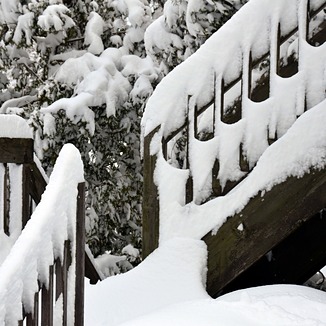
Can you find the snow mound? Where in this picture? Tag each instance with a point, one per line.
(175, 272)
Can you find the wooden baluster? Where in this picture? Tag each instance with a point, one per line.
(80, 256)
(150, 225)
(189, 184)
(61, 270)
(244, 165)
(32, 319)
(307, 20)
(278, 49)
(47, 301)
(165, 148)
(222, 100)
(216, 186)
(59, 273)
(249, 76)
(6, 201)
(196, 115)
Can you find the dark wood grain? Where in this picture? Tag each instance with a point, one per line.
(267, 220)
(16, 150)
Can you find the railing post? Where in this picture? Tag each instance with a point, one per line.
(6, 200)
(150, 232)
(189, 185)
(47, 301)
(80, 256)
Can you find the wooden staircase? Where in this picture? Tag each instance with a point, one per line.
(281, 237)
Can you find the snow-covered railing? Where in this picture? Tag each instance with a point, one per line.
(214, 116)
(42, 277)
(42, 273)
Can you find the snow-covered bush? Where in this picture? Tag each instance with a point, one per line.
(78, 72)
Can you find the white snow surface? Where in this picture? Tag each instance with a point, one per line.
(174, 273)
(13, 126)
(42, 239)
(281, 305)
(94, 30)
(168, 288)
(54, 16)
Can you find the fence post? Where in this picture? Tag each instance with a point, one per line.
(80, 256)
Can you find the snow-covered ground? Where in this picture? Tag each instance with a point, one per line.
(167, 288)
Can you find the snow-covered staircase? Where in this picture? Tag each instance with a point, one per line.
(42, 233)
(226, 158)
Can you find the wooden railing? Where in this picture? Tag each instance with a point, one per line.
(227, 109)
(51, 289)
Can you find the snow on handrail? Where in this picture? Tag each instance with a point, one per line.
(13, 126)
(250, 29)
(196, 101)
(47, 242)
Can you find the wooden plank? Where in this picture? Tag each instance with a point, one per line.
(293, 261)
(37, 183)
(16, 150)
(80, 256)
(34, 186)
(266, 221)
(150, 227)
(90, 271)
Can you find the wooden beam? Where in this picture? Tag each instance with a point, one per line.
(16, 150)
(90, 270)
(266, 221)
(293, 261)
